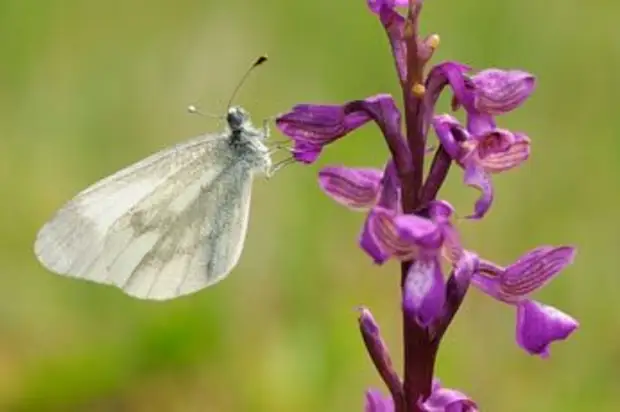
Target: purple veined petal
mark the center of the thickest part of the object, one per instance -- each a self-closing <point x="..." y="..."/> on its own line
<point x="376" y="402"/>
<point x="500" y="91"/>
<point x="452" y="249"/>
<point x="383" y="229"/>
<point x="490" y="269"/>
<point x="375" y="5"/>
<point x="390" y="192"/>
<point x="489" y="282"/>
<point x="394" y="25"/>
<point x="500" y="150"/>
<point x="446" y="128"/>
<point x="535" y="269"/>
<point x="424" y="291"/>
<point x="419" y="232"/>
<point x="477" y="178"/>
<point x="305" y="153"/>
<point x="540" y="325"/>
<point x="356" y="188"/>
<point x="369" y="244"/>
<point x="447" y="400"/>
<point x="440" y="212"/>
<point x="312" y="126"/>
<point x="479" y="123"/>
<point x="536" y="253"/>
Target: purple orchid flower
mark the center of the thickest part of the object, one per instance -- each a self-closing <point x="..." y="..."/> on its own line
<point x="480" y="155"/>
<point x="440" y="400"/>
<point x="537" y="325"/>
<point x="405" y="221"/>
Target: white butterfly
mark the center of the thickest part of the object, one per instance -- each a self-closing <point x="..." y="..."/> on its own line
<point x="169" y="225"/>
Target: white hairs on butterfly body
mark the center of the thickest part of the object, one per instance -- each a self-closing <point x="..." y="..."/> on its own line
<point x="168" y="225"/>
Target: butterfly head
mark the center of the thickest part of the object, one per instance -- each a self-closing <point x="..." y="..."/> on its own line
<point x="237" y="118"/>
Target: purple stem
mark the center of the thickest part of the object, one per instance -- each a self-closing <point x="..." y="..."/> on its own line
<point x="420" y="350"/>
<point x="436" y="176"/>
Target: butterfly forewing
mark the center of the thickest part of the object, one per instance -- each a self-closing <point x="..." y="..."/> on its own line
<point x="154" y="229"/>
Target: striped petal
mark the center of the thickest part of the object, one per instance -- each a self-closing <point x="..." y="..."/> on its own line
<point x="387" y="239"/>
<point x="501" y="150"/>
<point x="535" y="269"/>
<point x="356" y="188"/>
<point x="369" y="243"/>
<point x="312" y="126"/>
<point x="500" y="91"/>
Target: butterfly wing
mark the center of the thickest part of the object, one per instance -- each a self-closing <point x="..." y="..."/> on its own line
<point x="155" y="229"/>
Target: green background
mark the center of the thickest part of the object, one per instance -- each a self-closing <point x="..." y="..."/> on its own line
<point x="87" y="87"/>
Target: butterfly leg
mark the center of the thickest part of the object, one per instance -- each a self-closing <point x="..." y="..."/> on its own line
<point x="266" y="130"/>
<point x="282" y="163"/>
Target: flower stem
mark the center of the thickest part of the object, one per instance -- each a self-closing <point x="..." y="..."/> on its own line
<point x="419" y="350"/>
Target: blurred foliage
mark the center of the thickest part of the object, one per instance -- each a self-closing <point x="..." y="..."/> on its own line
<point x="88" y="87"/>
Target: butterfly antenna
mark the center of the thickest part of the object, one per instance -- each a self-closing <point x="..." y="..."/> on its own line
<point x="260" y="60"/>
<point x="192" y="109"/>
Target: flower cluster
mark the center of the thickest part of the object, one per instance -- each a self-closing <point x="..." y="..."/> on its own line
<point x="405" y="221"/>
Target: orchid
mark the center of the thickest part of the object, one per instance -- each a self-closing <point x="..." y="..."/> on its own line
<point x="406" y="222"/>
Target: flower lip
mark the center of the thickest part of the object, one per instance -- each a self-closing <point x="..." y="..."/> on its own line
<point x="424" y="291"/>
<point x="538" y="326"/>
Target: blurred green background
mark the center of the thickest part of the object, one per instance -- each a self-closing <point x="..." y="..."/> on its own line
<point x="89" y="87"/>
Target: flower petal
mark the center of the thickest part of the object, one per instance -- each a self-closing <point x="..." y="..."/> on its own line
<point x="357" y="188"/>
<point x="489" y="283"/>
<point x="390" y="193"/>
<point x="389" y="237"/>
<point x="306" y="153"/>
<point x="312" y="126"/>
<point x="500" y="91"/>
<point x="419" y="232"/>
<point x="477" y="178"/>
<point x="447" y="400"/>
<point x="376" y="5"/>
<point x="376" y="402"/>
<point x="500" y="150"/>
<point x="479" y="123"/>
<point x="450" y="134"/>
<point x="369" y="243"/>
<point x="394" y="25"/>
<point x="424" y="291"/>
<point x="441" y="75"/>
<point x="463" y="271"/>
<point x="441" y="213"/>
<point x="535" y="269"/>
<point x="539" y="325"/>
